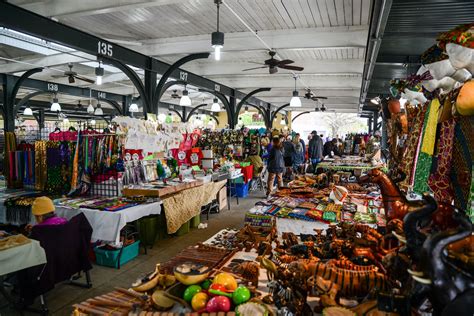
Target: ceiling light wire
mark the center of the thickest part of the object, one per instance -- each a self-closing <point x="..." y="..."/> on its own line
<point x="260" y="39"/>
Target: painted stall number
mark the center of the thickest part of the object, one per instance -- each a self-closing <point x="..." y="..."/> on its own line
<point x="52" y="87"/>
<point x="105" y="49"/>
<point x="102" y="95"/>
<point x="183" y="76"/>
<point x="217" y="87"/>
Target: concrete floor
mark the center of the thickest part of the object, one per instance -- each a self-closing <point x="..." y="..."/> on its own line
<point x="62" y="297"/>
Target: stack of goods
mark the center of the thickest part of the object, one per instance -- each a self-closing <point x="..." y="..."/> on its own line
<point x="349" y="203"/>
<point x="104" y="204"/>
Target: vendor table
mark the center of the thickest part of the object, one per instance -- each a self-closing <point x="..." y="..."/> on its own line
<point x="106" y="225"/>
<point x="21" y="257"/>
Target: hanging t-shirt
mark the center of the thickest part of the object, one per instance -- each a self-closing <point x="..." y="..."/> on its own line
<point x="195" y="156"/>
<point x="180" y="156"/>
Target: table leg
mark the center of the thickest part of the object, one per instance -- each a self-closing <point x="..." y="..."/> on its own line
<point x="229" y="188"/>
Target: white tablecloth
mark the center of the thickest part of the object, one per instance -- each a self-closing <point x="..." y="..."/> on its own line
<point x="296" y="226"/>
<point x="106" y="226"/>
<point x="21" y="257"/>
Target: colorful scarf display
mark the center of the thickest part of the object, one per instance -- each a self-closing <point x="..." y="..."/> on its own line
<point x="462" y="171"/>
<point x="439" y="181"/>
<point x="425" y="157"/>
<point x="40" y="165"/>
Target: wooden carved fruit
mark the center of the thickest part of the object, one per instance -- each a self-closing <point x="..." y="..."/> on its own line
<point x="393" y="106"/>
<point x="148" y="282"/>
<point x="161" y="301"/>
<point x="465" y="100"/>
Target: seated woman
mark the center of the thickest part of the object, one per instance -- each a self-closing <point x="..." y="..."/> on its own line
<point x="43" y="209"/>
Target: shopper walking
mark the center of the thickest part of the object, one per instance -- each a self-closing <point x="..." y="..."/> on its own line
<point x="298" y="156"/>
<point x="315" y="150"/>
<point x="276" y="165"/>
<point x="288" y="154"/>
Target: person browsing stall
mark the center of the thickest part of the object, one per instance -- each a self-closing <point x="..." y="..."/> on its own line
<point x="43" y="209"/>
<point x="276" y="165"/>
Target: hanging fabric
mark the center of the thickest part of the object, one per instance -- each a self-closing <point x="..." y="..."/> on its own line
<point x="424" y="161"/>
<point x="439" y="182"/>
<point x="40" y="165"/>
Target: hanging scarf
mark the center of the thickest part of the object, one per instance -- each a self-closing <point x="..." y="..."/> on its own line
<point x="439" y="181"/>
<point x="462" y="171"/>
<point x="40" y="165"/>
<point x="424" y="161"/>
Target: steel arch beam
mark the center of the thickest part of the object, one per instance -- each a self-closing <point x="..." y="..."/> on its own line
<point x="168" y="84"/>
<point x="215" y="118"/>
<point x="227" y="106"/>
<point x="249" y="95"/>
<point x="114" y="104"/>
<point x="20" y="80"/>
<point x="132" y="75"/>
<point x="177" y="112"/>
<point x="274" y="113"/>
<point x="26" y="98"/>
<point x="195" y="110"/>
<point x="169" y="71"/>
<point x="305" y="112"/>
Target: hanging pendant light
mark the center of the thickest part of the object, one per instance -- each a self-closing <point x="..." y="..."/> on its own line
<point x="295" y="101"/>
<point x="92" y="122"/>
<point x="133" y="108"/>
<point x="283" y="122"/>
<point x="98" y="110"/>
<point x="28" y="111"/>
<point x="323" y="108"/>
<point x="66" y="120"/>
<point x="99" y="73"/>
<point x="375" y="100"/>
<point x="246" y="110"/>
<point x="185" y="99"/>
<point x="55" y="107"/>
<point x="217" y="39"/>
<point x="90" y="108"/>
<point x="215" y="106"/>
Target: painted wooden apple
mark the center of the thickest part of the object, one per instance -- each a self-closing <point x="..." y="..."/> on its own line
<point x="465" y="99"/>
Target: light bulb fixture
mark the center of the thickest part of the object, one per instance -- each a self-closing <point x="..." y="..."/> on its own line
<point x="246" y="110"/>
<point x="55" y="107"/>
<point x="133" y="108"/>
<point x="295" y="101"/>
<point x="92" y="122"/>
<point x="98" y="110"/>
<point x="283" y="122"/>
<point x="99" y="73"/>
<point x="375" y="100"/>
<point x="90" y="108"/>
<point x="217" y="38"/>
<point x="161" y="117"/>
<point x="66" y="120"/>
<point x="185" y="99"/>
<point x="215" y="106"/>
<point x="28" y="111"/>
<point x="323" y="108"/>
<point x="316" y="109"/>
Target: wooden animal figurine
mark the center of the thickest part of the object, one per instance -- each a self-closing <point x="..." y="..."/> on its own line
<point x="450" y="287"/>
<point x="249" y="270"/>
<point x="395" y="203"/>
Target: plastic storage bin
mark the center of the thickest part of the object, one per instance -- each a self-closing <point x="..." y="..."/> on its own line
<point x="148" y="229"/>
<point x="195" y="221"/>
<point x="184" y="229"/>
<point x="241" y="189"/>
<point x="110" y="258"/>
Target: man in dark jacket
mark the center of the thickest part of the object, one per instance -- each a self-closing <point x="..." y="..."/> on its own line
<point x="276" y="165"/>
<point x="331" y="149"/>
<point x="315" y="150"/>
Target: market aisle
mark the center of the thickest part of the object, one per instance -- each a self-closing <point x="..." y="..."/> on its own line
<point x="104" y="279"/>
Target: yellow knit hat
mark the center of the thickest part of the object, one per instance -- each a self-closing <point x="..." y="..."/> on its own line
<point x="42" y="205"/>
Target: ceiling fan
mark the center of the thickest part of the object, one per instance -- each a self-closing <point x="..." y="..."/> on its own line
<point x="72" y="76"/>
<point x="310" y="95"/>
<point x="273" y="64"/>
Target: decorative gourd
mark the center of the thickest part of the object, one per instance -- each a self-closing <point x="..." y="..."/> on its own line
<point x="465" y="100"/>
<point x="394" y="106"/>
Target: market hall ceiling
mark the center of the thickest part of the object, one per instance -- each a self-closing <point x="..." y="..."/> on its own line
<point x="327" y="38"/>
<point x="411" y="28"/>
